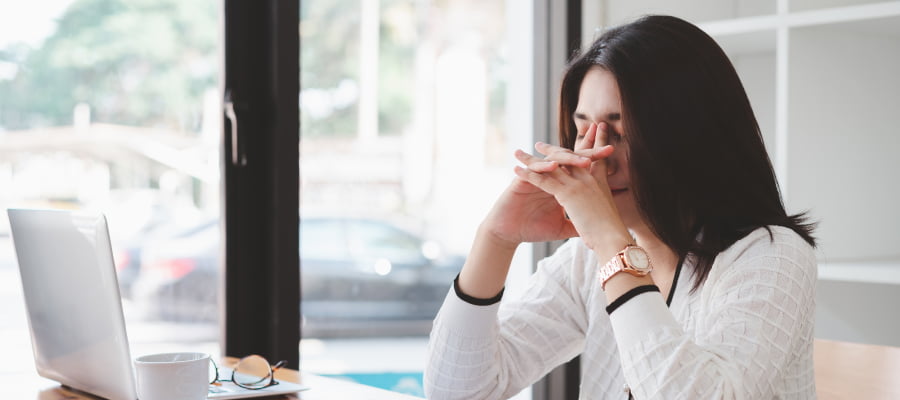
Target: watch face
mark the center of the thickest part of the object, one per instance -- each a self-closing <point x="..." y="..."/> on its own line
<point x="637" y="258"/>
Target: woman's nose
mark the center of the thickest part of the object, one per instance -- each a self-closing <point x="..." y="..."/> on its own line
<point x="612" y="166"/>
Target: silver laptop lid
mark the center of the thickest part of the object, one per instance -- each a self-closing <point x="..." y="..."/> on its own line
<point x="72" y="301"/>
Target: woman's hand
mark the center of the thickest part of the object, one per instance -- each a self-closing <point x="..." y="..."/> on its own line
<point x="578" y="190"/>
<point x="528" y="213"/>
<point x="532" y="209"/>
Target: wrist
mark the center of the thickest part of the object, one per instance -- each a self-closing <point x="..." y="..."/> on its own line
<point x="627" y="268"/>
<point x="611" y="244"/>
<point x="492" y="239"/>
<point x="484" y="272"/>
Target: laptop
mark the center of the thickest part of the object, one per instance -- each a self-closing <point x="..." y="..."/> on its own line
<point x="74" y="309"/>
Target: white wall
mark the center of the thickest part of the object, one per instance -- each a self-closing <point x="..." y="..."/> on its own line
<point x="757" y="72"/>
<point x="843" y="160"/>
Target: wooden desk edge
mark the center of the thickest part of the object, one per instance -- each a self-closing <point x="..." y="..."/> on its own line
<point x="843" y="370"/>
<point x="30" y="385"/>
<point x="329" y="388"/>
<point x="847" y="370"/>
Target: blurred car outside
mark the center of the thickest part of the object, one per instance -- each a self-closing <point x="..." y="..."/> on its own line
<point x="137" y="217"/>
<point x="128" y="249"/>
<point x="359" y="277"/>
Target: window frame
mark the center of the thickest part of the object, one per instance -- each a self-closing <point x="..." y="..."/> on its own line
<point x="260" y="306"/>
<point x="557" y="35"/>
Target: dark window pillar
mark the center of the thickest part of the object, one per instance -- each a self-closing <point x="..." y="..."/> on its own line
<point x="261" y="282"/>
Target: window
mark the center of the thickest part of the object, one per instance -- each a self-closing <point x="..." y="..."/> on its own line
<point x="95" y="115"/>
<point x="406" y="139"/>
<point x="403" y="104"/>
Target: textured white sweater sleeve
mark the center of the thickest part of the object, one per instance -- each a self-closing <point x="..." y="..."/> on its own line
<point x="756" y="325"/>
<point x="493" y="352"/>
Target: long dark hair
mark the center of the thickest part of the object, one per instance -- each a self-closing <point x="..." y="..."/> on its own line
<point x="699" y="169"/>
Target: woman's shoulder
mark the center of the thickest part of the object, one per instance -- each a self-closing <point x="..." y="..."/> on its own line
<point x="772" y="240"/>
<point x="771" y="247"/>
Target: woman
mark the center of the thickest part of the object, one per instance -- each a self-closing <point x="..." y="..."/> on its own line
<point x="684" y="276"/>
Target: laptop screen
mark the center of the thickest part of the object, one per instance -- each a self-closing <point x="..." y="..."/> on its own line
<point x="72" y="300"/>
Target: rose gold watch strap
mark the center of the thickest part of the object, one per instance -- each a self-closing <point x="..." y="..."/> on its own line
<point x="612" y="267"/>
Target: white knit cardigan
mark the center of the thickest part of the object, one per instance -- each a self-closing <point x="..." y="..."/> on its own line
<point x="746" y="333"/>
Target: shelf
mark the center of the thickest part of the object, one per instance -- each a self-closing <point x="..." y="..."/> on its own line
<point x="835" y="15"/>
<point x="724" y="20"/>
<point x="696" y="11"/>
<point x="885" y="272"/>
<point x="806" y="5"/>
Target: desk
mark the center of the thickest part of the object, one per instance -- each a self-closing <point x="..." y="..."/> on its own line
<point x="27" y="386"/>
<point x="843" y="371"/>
<point x="856" y="371"/>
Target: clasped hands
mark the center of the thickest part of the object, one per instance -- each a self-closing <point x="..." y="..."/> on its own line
<point x="561" y="195"/>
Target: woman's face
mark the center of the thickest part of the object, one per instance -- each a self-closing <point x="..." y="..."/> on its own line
<point x="598" y="101"/>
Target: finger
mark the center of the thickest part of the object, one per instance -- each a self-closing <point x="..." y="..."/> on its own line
<point x="603" y="141"/>
<point x="562" y="155"/>
<point x="596" y="154"/>
<point x="602" y="135"/>
<point x="548" y="165"/>
<point x="590" y="137"/>
<point x="545" y="182"/>
<point x="544" y="166"/>
<point x="587" y="178"/>
<point x="534" y="163"/>
<point x="547" y="149"/>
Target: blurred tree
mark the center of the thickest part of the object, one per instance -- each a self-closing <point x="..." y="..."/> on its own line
<point x="397" y="74"/>
<point x="148" y="62"/>
<point x="330" y="63"/>
<point x="135" y="62"/>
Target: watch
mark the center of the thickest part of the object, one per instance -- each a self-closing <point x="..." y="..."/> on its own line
<point x="633" y="260"/>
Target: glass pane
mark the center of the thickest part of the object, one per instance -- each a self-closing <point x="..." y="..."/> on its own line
<point x="111" y="105"/>
<point x="405" y="143"/>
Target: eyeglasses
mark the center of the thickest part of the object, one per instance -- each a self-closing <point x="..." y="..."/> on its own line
<point x="252" y="372"/>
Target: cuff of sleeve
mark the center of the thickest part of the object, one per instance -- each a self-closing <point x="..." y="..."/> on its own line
<point x="468" y="319"/>
<point x="474" y="300"/>
<point x="638" y="317"/>
<point x="628" y="295"/>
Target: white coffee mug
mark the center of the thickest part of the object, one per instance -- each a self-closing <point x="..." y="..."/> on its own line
<point x="172" y="376"/>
